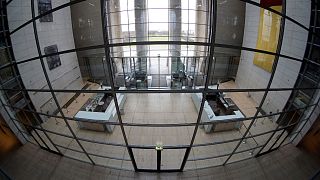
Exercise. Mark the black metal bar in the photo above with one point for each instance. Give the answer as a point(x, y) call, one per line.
point(305, 68)
point(124, 74)
point(158, 160)
point(223, 155)
point(307, 120)
point(45, 144)
point(213, 9)
point(159, 90)
point(283, 16)
point(162, 124)
point(152, 146)
point(35, 140)
point(109, 65)
point(298, 84)
point(13, 69)
point(274, 67)
point(48, 80)
point(34, 18)
point(96, 155)
point(161, 42)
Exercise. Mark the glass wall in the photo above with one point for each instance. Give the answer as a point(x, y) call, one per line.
point(151, 85)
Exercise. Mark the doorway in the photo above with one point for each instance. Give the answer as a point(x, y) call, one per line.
point(311, 141)
point(159, 159)
point(8, 140)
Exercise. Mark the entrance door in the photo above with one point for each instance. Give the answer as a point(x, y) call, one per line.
point(158, 159)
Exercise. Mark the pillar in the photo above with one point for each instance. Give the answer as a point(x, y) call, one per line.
point(141, 34)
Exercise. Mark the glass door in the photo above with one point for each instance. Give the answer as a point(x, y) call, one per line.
point(158, 159)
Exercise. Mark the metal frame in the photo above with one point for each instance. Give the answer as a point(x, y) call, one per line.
point(313, 26)
point(108, 45)
point(111, 80)
point(49, 82)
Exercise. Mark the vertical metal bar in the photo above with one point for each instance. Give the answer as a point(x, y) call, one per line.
point(5, 108)
point(305, 122)
point(158, 160)
point(274, 67)
point(169, 34)
point(45, 144)
point(296, 133)
point(124, 74)
point(213, 7)
point(306, 65)
point(159, 68)
point(195, 75)
point(129, 31)
point(134, 65)
point(168, 65)
point(49, 83)
point(107, 53)
point(35, 140)
point(104, 69)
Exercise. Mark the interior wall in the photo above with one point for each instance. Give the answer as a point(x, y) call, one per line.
point(294, 44)
point(58, 32)
point(229, 30)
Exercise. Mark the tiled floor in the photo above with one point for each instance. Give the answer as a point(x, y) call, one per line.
point(159, 108)
point(31, 162)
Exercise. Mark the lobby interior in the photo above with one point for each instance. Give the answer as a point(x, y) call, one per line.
point(185, 86)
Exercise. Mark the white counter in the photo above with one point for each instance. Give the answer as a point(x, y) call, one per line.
point(96, 120)
point(220, 122)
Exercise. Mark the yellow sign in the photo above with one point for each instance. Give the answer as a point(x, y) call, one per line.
point(268, 35)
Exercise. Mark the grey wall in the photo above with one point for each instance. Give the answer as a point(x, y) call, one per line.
point(59, 32)
point(87, 31)
point(229, 30)
point(230, 25)
point(294, 44)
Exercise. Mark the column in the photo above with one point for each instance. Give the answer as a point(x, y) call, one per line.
point(141, 34)
point(175, 35)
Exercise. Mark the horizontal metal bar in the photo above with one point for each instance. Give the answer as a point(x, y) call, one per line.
point(283, 16)
point(166, 124)
point(152, 146)
point(250, 149)
point(238, 139)
point(46, 13)
point(99, 142)
point(160, 90)
point(105, 166)
point(133, 146)
point(167, 8)
point(71, 137)
point(97, 155)
point(223, 155)
point(78, 1)
point(109, 157)
point(71, 149)
point(157, 43)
